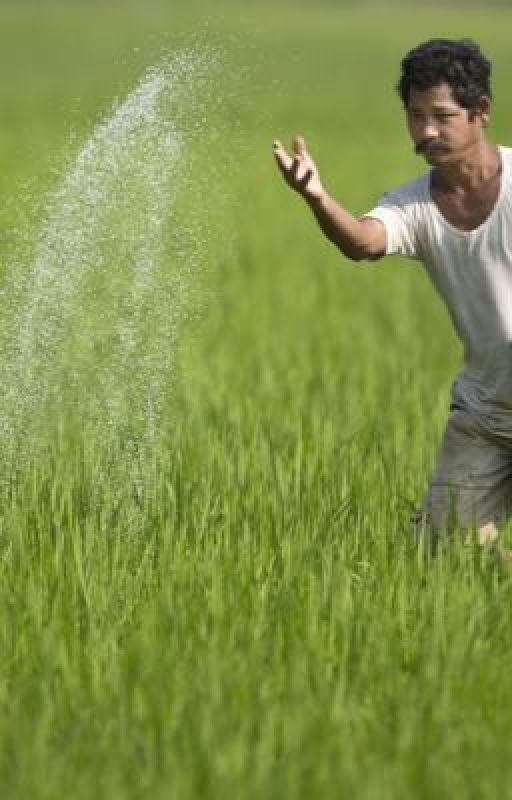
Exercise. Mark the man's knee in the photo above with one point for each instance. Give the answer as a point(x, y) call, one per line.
point(432, 527)
point(488, 533)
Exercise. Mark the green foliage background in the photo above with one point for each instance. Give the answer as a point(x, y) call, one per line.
point(258, 625)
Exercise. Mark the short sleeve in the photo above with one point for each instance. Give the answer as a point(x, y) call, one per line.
point(400, 223)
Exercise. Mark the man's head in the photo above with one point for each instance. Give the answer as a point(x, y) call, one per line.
point(459, 64)
point(445, 90)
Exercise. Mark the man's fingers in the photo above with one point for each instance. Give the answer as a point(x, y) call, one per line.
point(283, 159)
point(299, 146)
point(298, 170)
point(301, 167)
point(294, 169)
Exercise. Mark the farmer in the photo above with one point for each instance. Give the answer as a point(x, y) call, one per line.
point(457, 220)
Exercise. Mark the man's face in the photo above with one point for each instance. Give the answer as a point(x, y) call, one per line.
point(441, 129)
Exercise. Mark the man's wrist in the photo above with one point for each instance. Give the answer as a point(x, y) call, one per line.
point(317, 202)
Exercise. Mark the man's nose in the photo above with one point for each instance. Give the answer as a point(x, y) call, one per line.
point(430, 129)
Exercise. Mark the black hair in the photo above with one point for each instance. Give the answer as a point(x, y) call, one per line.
point(458, 63)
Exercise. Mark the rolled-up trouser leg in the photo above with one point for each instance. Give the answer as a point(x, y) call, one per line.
point(472, 483)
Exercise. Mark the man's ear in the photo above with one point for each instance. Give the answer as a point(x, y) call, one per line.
point(481, 110)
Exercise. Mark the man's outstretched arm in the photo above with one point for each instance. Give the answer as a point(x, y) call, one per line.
point(357, 239)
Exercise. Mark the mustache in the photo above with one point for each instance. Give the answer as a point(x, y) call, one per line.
point(430, 144)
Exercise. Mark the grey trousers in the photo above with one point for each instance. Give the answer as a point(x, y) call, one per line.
point(472, 483)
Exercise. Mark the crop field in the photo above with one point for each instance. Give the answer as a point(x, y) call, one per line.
point(214, 429)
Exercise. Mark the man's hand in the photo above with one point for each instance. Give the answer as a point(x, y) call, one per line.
point(300, 172)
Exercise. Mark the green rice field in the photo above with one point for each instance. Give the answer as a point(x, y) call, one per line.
point(237, 609)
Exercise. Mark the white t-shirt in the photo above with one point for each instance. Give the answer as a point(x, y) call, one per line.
point(472, 271)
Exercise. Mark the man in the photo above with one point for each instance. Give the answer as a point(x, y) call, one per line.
point(456, 219)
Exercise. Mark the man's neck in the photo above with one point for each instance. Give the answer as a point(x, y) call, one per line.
point(478, 166)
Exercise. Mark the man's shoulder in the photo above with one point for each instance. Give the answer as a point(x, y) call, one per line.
point(414, 191)
point(506, 154)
